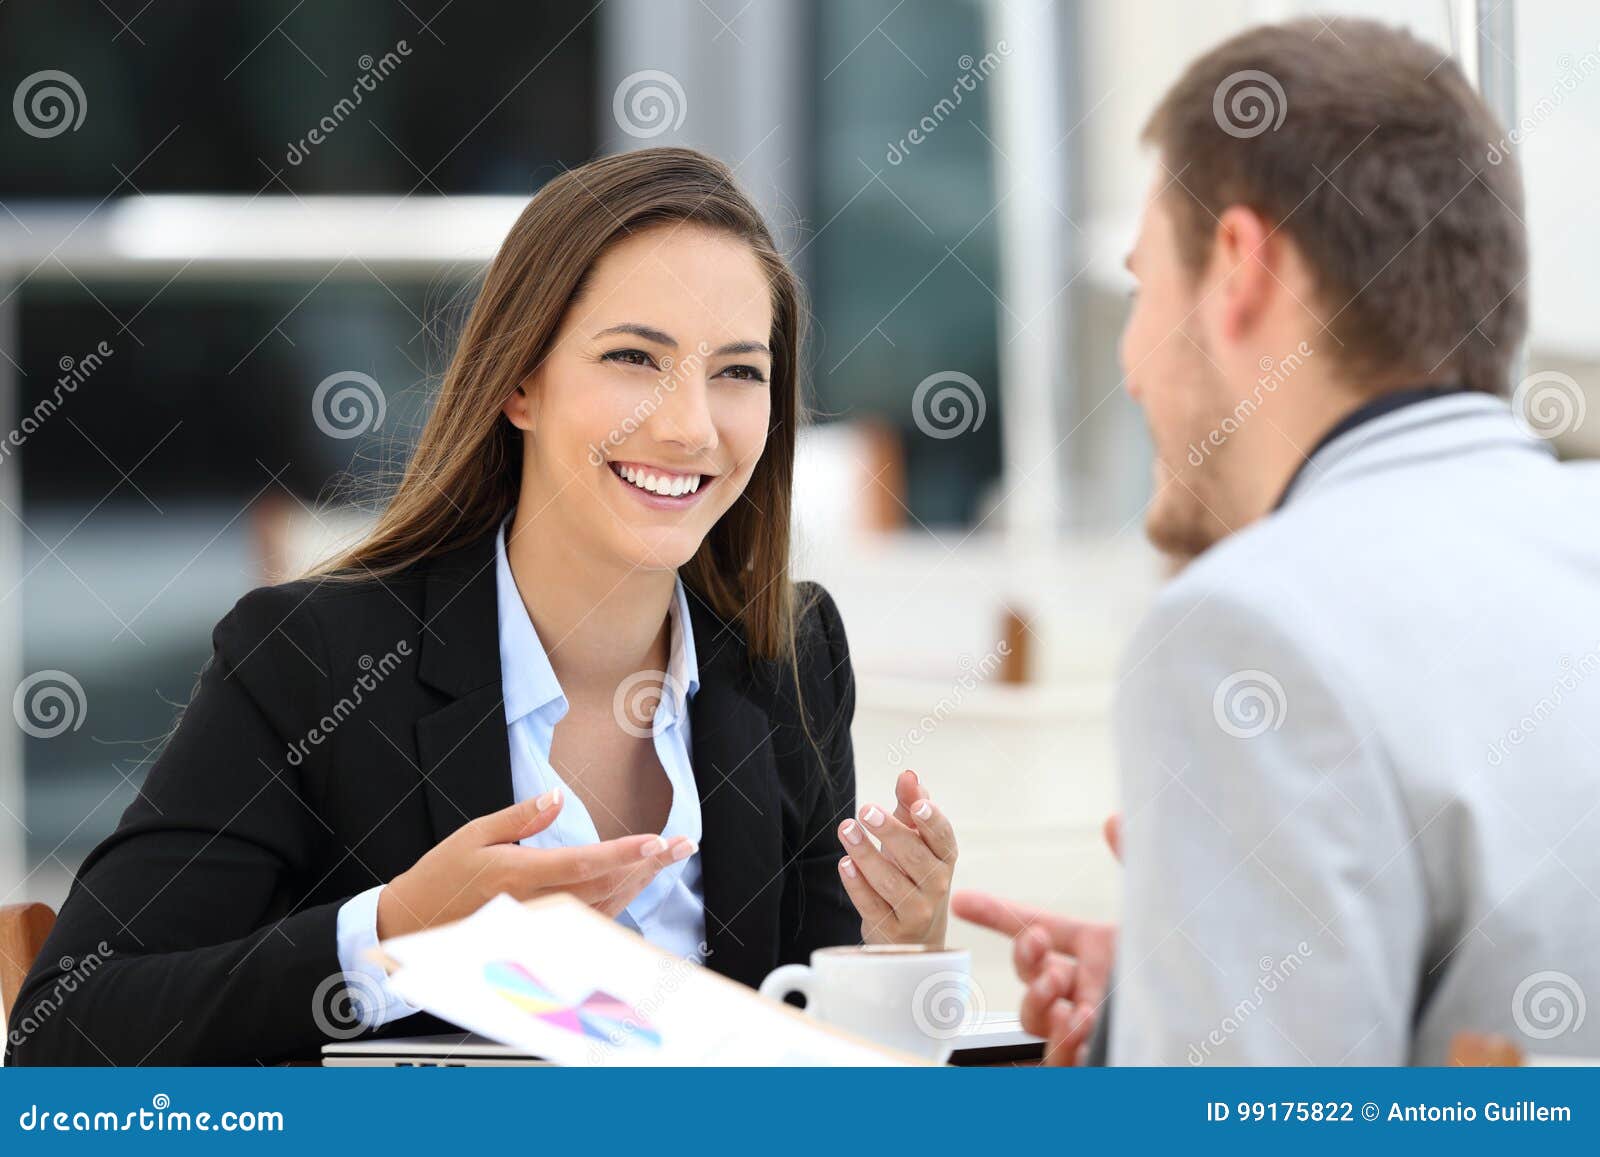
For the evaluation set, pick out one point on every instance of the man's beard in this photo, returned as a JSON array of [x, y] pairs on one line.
[[1180, 521], [1190, 511]]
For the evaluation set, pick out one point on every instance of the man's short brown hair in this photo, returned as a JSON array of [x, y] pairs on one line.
[[1371, 151]]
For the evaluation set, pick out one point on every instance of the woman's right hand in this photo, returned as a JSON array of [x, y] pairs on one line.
[[482, 858]]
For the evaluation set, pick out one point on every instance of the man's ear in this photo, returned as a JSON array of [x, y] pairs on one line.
[[1243, 257]]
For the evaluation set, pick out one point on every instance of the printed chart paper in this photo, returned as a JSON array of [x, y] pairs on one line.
[[556, 979]]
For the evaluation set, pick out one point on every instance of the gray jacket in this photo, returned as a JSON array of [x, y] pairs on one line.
[[1360, 754]]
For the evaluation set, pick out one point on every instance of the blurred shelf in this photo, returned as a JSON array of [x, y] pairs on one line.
[[252, 237]]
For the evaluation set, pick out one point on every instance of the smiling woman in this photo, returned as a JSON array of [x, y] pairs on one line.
[[637, 292], [608, 684], [654, 496]]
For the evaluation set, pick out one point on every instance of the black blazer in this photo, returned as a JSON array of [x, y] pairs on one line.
[[209, 914]]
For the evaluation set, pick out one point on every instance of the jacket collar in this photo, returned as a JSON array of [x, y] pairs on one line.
[[735, 770], [460, 620], [1442, 426], [1385, 403], [464, 756]]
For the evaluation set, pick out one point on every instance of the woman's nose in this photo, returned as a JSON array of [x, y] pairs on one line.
[[684, 416]]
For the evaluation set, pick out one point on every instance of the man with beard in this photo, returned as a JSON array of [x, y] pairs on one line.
[[1359, 734]]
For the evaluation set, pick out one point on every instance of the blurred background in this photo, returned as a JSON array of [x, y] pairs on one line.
[[236, 241]]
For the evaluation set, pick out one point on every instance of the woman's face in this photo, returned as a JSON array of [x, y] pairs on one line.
[[647, 418]]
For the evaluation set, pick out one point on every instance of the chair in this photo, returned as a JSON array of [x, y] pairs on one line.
[[23, 928]]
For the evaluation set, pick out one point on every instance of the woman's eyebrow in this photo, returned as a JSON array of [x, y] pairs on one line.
[[648, 333], [658, 337], [741, 347]]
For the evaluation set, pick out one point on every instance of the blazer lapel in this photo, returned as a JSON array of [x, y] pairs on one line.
[[463, 750], [466, 760], [736, 774]]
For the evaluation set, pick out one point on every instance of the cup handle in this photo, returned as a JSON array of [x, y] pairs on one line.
[[780, 982]]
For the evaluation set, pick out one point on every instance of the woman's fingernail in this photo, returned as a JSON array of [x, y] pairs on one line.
[[852, 833], [548, 800], [873, 816], [654, 848], [922, 809], [683, 850], [847, 867]]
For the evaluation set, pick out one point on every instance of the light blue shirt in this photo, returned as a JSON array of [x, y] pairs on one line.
[[670, 912]]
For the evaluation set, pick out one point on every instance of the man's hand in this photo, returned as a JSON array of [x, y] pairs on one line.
[[1065, 964]]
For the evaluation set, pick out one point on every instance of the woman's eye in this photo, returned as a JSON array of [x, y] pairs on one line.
[[629, 358], [744, 373]]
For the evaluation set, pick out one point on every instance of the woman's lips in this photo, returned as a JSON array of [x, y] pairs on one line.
[[647, 484]]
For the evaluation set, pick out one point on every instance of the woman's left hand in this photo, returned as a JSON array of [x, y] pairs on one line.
[[901, 883]]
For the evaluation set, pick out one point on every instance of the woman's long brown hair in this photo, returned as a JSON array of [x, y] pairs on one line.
[[463, 476]]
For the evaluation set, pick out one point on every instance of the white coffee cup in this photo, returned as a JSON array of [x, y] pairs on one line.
[[906, 996]]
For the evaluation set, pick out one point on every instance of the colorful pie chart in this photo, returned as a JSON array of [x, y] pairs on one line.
[[599, 1015]]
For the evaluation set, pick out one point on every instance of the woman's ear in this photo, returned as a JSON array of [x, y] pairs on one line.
[[519, 407]]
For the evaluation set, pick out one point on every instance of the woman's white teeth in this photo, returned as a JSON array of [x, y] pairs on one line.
[[666, 485]]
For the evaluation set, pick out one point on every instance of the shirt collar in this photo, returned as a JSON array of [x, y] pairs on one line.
[[683, 669], [1385, 403], [528, 681]]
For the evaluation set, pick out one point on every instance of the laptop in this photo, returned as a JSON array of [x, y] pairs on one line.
[[996, 1038]]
